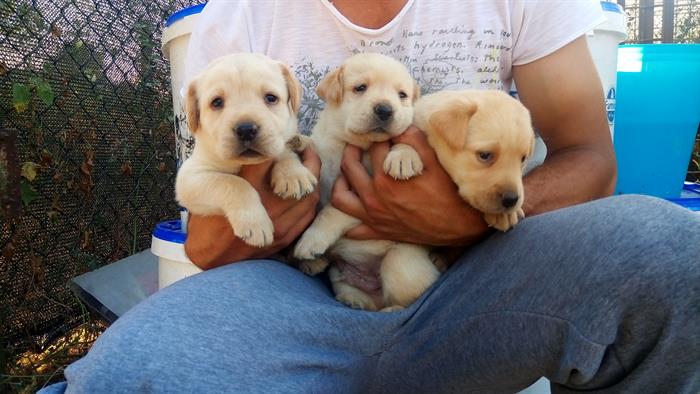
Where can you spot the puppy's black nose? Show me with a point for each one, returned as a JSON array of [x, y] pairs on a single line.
[[509, 199], [383, 111], [246, 131]]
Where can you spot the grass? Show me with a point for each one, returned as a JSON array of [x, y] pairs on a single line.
[[29, 368]]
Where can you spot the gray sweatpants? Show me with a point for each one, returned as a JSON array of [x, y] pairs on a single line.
[[603, 296]]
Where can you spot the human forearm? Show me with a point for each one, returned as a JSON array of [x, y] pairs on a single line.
[[564, 96], [211, 241], [558, 183]]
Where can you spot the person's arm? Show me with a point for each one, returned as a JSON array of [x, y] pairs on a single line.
[[210, 240], [564, 95]]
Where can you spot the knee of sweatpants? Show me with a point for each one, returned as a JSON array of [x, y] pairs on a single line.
[[636, 221], [611, 254], [662, 237], [658, 244]]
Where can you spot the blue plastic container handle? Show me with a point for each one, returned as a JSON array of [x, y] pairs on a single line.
[[171, 231], [611, 7], [191, 10]]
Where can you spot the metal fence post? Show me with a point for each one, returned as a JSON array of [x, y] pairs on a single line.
[[667, 21], [646, 21]]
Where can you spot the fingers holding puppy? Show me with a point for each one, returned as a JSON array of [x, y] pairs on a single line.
[[211, 241]]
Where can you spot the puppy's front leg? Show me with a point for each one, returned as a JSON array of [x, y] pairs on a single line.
[[402, 162], [290, 179], [234, 196], [330, 224], [504, 221]]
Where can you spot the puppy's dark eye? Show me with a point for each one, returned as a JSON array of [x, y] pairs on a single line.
[[402, 95], [360, 88], [271, 98], [523, 159], [217, 103], [484, 156]]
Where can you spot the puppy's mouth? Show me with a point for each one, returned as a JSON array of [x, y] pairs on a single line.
[[371, 130], [375, 133], [250, 154], [477, 202], [493, 207], [250, 151]]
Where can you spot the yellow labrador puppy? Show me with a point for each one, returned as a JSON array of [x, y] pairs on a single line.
[[482, 139], [242, 110], [368, 99]]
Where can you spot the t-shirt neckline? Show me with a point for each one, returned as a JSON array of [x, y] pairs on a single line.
[[372, 32]]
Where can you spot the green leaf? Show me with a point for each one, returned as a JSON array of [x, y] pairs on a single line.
[[43, 90], [27, 192], [20, 97], [29, 171]]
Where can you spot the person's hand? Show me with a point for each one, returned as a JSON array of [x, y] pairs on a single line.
[[210, 239], [426, 209]]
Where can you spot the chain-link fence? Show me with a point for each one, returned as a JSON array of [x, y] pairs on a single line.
[[86, 128]]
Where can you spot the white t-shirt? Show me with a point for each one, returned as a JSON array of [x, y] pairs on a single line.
[[446, 44]]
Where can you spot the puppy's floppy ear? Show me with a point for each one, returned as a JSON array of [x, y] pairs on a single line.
[[330, 89], [451, 123], [294, 88], [192, 107], [416, 91]]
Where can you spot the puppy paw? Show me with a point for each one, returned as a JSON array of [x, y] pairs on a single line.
[[292, 181], [504, 221], [313, 267], [403, 162], [298, 143], [356, 301], [254, 228], [311, 246], [393, 308]]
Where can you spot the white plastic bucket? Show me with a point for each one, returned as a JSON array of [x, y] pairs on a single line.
[[168, 244], [176, 36], [603, 42]]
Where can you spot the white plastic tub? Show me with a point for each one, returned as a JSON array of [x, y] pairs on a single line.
[[603, 42], [176, 36], [168, 244]]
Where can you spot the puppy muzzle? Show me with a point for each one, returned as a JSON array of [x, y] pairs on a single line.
[[383, 118], [509, 199], [384, 112], [247, 134]]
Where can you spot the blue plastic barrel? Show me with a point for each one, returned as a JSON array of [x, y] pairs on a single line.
[[657, 116]]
